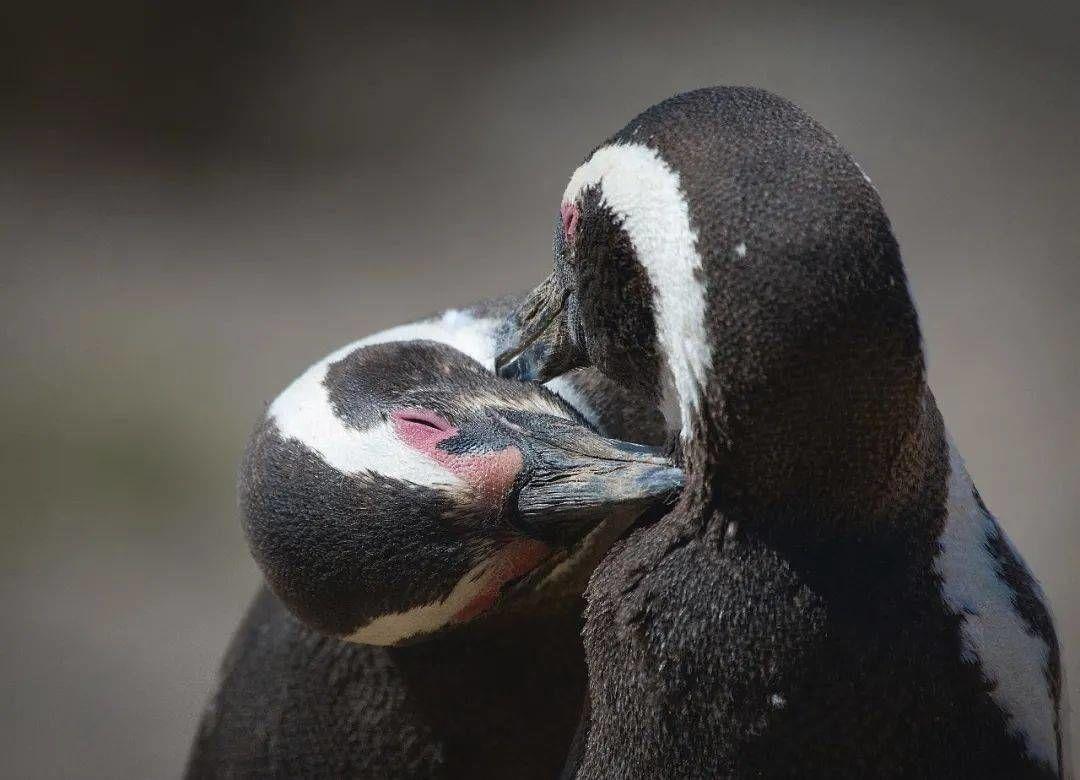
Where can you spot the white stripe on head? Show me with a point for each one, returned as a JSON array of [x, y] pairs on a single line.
[[644, 192], [995, 637], [304, 412]]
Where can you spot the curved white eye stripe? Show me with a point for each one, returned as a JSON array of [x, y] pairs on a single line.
[[995, 636], [644, 192], [304, 412]]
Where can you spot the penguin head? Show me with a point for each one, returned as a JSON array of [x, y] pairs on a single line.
[[723, 254], [401, 489]]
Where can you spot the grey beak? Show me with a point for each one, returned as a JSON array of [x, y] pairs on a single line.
[[575, 479], [543, 348]]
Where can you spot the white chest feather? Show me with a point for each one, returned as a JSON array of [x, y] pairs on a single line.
[[395, 627]]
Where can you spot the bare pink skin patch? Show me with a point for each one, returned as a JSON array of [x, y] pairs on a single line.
[[421, 429], [491, 475], [512, 561], [571, 216]]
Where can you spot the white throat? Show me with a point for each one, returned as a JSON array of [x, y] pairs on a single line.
[[644, 192]]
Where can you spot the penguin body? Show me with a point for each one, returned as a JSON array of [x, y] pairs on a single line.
[[493, 702], [441, 692], [830, 597]]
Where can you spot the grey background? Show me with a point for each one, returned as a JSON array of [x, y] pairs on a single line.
[[200, 199]]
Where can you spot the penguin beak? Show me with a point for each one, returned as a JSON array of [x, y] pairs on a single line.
[[573, 479], [544, 348]]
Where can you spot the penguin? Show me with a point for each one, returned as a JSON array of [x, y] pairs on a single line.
[[830, 596], [425, 529]]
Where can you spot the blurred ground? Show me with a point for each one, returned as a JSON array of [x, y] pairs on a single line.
[[201, 199]]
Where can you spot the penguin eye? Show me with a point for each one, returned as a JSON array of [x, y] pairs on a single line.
[[422, 418], [421, 428], [571, 216]]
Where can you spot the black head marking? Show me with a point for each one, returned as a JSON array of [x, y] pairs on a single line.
[[366, 384], [611, 312]]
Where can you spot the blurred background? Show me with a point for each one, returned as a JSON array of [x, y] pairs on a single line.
[[199, 199]]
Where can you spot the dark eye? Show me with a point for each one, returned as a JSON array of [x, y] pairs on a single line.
[[422, 417], [571, 216]]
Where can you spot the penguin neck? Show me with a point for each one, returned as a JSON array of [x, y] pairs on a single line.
[[859, 476]]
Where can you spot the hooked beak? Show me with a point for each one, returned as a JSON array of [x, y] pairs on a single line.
[[575, 479], [544, 347]]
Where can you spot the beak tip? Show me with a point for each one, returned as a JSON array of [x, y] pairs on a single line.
[[663, 480]]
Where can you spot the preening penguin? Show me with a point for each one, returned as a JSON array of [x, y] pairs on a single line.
[[428, 492], [399, 494], [830, 596]]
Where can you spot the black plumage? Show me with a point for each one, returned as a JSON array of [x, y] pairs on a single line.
[[499, 700], [787, 618]]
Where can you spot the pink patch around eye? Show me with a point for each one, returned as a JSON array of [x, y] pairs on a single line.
[[491, 474], [420, 428], [571, 215]]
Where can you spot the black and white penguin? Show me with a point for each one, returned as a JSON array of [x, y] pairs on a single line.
[[830, 597], [427, 529]]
